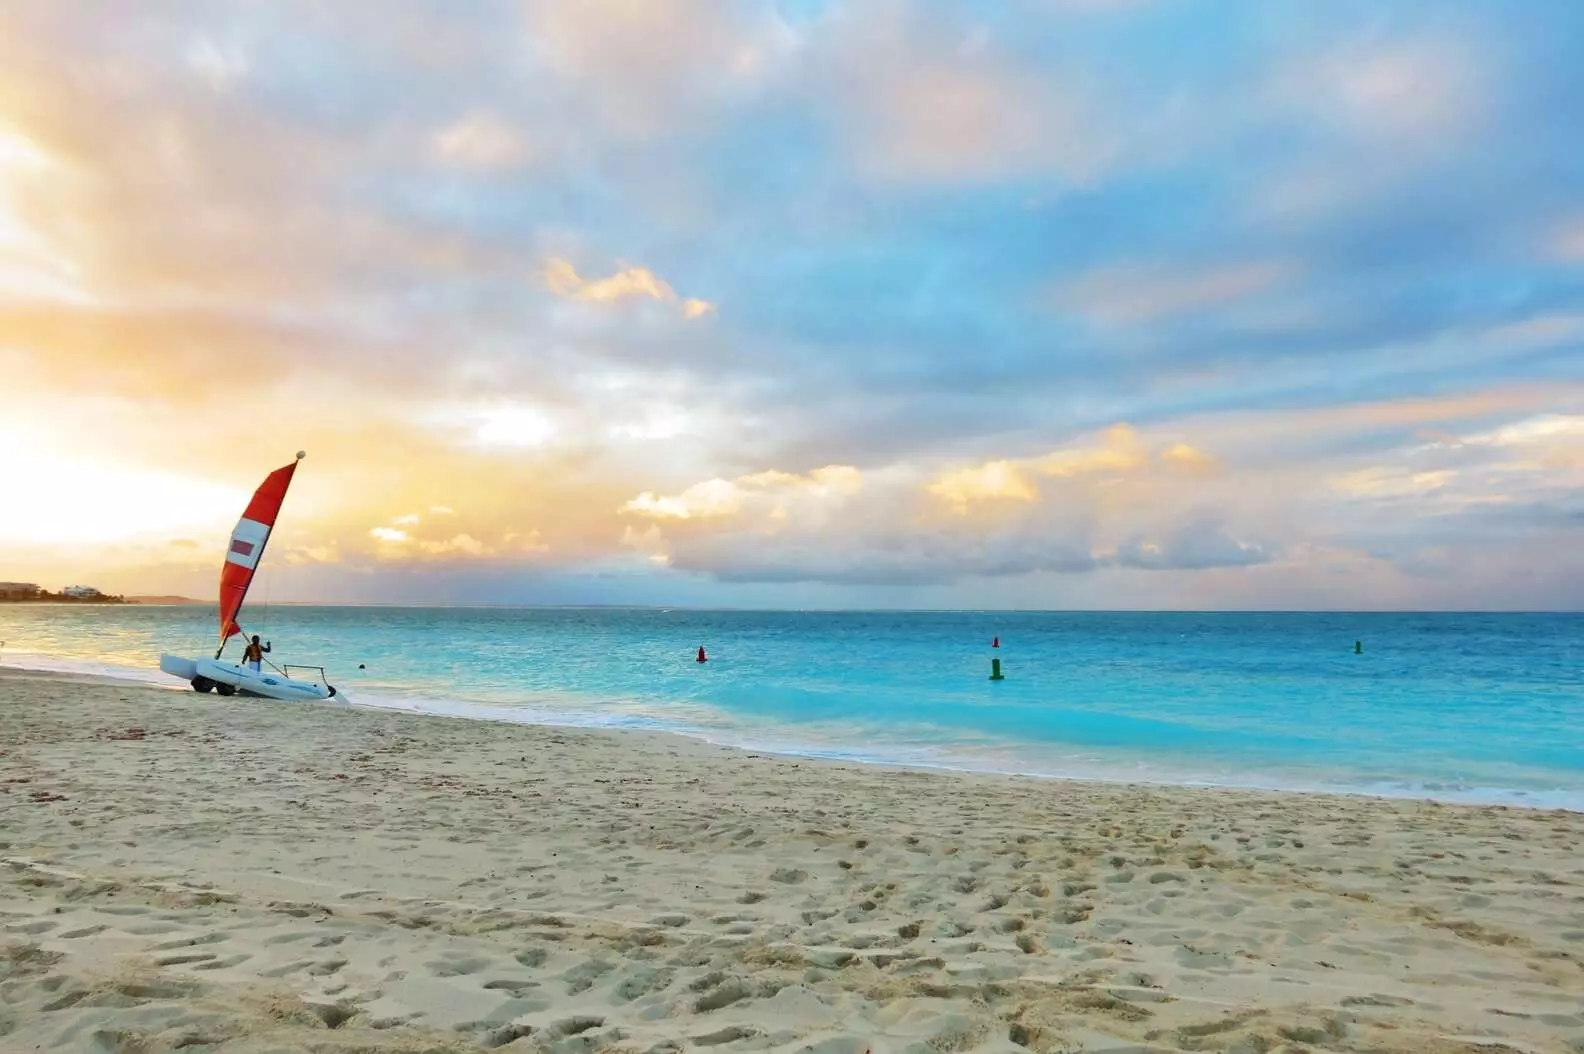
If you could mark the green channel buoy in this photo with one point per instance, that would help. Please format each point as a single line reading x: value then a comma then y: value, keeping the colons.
x: 995, y: 670
x: 1358, y: 647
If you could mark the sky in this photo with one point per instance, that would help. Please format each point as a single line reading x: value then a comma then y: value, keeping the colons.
x: 1239, y: 304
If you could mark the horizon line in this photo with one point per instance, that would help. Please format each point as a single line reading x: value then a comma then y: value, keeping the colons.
x: 528, y: 606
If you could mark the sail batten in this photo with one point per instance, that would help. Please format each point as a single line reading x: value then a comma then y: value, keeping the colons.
x: 248, y: 541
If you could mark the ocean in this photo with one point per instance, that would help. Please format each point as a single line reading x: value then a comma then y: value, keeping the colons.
x: 1457, y: 707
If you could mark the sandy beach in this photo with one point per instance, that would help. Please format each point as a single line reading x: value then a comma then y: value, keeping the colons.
x: 196, y: 874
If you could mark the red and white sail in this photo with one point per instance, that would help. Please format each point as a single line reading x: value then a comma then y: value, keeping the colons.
x: 247, y: 546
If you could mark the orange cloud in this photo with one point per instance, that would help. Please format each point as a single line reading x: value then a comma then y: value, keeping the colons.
x: 1119, y: 451
x: 766, y: 495
x: 1185, y: 456
x: 987, y: 482
x: 563, y: 280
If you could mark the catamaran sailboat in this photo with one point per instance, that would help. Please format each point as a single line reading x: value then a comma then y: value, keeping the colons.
x: 236, y: 575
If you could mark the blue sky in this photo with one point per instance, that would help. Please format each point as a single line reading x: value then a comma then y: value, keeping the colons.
x: 1051, y: 303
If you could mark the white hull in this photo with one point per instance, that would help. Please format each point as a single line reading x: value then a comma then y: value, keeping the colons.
x: 229, y: 678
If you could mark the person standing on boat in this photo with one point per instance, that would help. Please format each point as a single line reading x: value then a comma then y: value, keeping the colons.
x: 254, y: 655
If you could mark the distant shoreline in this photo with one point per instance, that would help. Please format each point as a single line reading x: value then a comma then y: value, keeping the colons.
x: 144, y: 601
x: 55, y: 599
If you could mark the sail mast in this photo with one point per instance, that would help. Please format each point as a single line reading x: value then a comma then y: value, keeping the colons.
x: 248, y: 541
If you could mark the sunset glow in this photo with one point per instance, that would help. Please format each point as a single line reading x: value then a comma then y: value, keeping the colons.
x: 841, y: 304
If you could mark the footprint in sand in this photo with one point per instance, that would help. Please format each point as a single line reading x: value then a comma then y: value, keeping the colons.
x: 1193, y: 959
x: 1376, y: 1000
x: 223, y: 964
x: 125, y: 909
x: 289, y: 968
x: 86, y: 931
x: 673, y: 921
x: 642, y: 981
x: 454, y: 967
x: 729, y: 1034
x: 188, y: 942
x: 327, y: 967
x: 570, y: 1026
x: 582, y: 977
x: 725, y: 995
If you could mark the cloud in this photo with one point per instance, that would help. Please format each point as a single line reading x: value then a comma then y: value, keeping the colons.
x: 884, y: 559
x: 989, y: 481
x: 564, y: 281
x: 644, y: 70
x: 764, y: 495
x: 218, y: 63
x: 1097, y: 7
x: 1185, y: 456
x: 464, y: 544
x: 1194, y: 546
x: 1411, y: 89
x: 1124, y: 501
x: 904, y: 526
x: 1313, y: 263
x: 1118, y: 452
x: 404, y: 546
x: 928, y: 100
x: 500, y: 424
x: 481, y: 141
x: 1119, y: 449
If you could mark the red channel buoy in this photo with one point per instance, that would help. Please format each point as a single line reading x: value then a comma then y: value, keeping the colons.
x: 702, y: 657
x: 996, y: 643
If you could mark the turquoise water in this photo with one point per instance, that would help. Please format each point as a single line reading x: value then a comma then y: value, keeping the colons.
x: 1477, y: 707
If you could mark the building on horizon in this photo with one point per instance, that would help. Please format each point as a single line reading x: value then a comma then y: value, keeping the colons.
x: 19, y: 591
x: 81, y: 592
